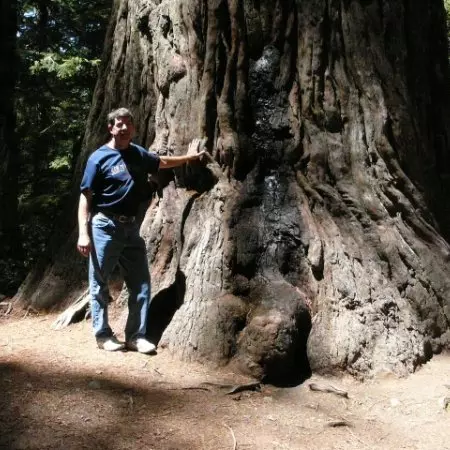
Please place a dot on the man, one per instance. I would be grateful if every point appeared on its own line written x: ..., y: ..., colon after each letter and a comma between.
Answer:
x: 113, y: 186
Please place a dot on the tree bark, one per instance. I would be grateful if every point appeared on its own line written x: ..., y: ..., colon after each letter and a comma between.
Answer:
x: 313, y: 238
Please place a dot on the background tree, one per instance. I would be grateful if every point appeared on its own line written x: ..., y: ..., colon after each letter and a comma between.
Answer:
x: 58, y: 47
x: 10, y: 239
x: 447, y: 11
x: 314, y: 235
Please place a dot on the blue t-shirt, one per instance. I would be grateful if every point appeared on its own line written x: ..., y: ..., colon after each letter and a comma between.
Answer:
x: 118, y: 178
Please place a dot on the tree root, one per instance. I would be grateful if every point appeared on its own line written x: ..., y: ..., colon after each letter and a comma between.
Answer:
x: 67, y: 316
x: 8, y: 306
x: 231, y: 389
x: 255, y: 386
x: 30, y: 309
x: 329, y: 389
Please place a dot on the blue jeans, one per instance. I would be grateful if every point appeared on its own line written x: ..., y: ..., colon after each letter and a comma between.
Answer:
x: 118, y: 243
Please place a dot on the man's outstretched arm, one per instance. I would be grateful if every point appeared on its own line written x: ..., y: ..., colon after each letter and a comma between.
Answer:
x: 193, y: 154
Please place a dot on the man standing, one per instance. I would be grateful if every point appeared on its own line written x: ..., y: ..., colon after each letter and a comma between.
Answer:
x: 113, y: 186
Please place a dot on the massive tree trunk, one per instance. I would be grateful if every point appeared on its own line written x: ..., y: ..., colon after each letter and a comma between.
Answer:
x: 313, y: 236
x: 10, y: 242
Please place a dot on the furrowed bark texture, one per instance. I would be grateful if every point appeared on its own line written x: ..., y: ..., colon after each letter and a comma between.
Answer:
x: 310, y: 239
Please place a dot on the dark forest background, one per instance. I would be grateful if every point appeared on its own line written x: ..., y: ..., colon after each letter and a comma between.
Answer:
x: 54, y: 53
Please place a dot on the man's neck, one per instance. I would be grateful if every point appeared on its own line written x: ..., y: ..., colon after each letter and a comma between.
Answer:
x: 118, y: 146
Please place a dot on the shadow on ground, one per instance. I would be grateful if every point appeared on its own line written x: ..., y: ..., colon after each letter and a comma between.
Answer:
x: 50, y: 410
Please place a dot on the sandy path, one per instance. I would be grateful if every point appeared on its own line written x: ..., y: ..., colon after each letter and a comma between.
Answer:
x: 60, y: 392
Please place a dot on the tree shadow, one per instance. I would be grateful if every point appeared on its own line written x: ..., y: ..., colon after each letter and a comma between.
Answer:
x: 295, y: 369
x: 53, y: 410
x: 163, y: 307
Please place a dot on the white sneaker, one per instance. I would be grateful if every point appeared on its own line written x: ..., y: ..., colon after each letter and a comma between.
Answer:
x: 141, y: 345
x: 110, y: 343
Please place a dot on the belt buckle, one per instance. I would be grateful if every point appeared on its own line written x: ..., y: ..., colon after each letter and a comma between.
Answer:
x: 123, y: 219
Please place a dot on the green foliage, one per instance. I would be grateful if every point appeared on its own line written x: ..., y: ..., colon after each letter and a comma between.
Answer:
x: 60, y: 43
x: 60, y: 163
x: 64, y: 68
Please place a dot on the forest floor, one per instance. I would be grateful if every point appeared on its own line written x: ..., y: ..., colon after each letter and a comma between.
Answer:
x: 58, y: 391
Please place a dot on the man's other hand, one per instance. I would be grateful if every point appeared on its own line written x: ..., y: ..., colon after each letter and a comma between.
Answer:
x: 84, y: 245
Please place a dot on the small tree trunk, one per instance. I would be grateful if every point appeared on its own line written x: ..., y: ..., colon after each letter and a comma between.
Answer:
x: 10, y: 238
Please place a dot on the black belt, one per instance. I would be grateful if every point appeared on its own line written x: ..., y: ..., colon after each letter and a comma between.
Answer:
x: 120, y: 218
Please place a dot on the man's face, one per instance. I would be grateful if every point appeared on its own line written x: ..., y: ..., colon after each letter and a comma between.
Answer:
x: 122, y: 131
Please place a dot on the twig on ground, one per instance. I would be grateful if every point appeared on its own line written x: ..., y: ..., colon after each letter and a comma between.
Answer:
x: 338, y: 423
x: 168, y: 387
x: 193, y: 388
x: 376, y: 403
x: 358, y: 439
x: 255, y: 386
x: 8, y: 344
x: 233, y: 388
x: 328, y: 388
x: 446, y: 402
x: 205, y: 387
x: 130, y: 401
x: 232, y: 434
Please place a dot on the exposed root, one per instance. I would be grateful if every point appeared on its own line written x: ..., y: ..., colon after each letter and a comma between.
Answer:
x: 234, y: 389
x: 67, y: 316
x: 30, y: 309
x: 8, y: 306
x: 328, y: 388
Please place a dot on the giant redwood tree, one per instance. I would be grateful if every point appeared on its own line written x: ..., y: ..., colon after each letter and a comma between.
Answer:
x: 314, y: 235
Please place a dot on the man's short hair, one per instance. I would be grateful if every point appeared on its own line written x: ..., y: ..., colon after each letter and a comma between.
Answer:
x: 120, y: 112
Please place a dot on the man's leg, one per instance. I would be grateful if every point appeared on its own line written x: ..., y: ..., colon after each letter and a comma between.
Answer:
x: 104, y: 256
x: 134, y: 263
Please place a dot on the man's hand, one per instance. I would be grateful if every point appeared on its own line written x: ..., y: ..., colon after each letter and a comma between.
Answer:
x: 84, y: 245
x: 196, y: 149
x: 193, y: 154
x: 196, y: 156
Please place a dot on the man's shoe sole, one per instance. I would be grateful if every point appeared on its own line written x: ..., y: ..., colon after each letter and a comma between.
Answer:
x: 134, y: 348
x: 116, y: 348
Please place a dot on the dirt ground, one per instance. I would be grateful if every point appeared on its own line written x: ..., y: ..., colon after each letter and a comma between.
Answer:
x: 58, y: 391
